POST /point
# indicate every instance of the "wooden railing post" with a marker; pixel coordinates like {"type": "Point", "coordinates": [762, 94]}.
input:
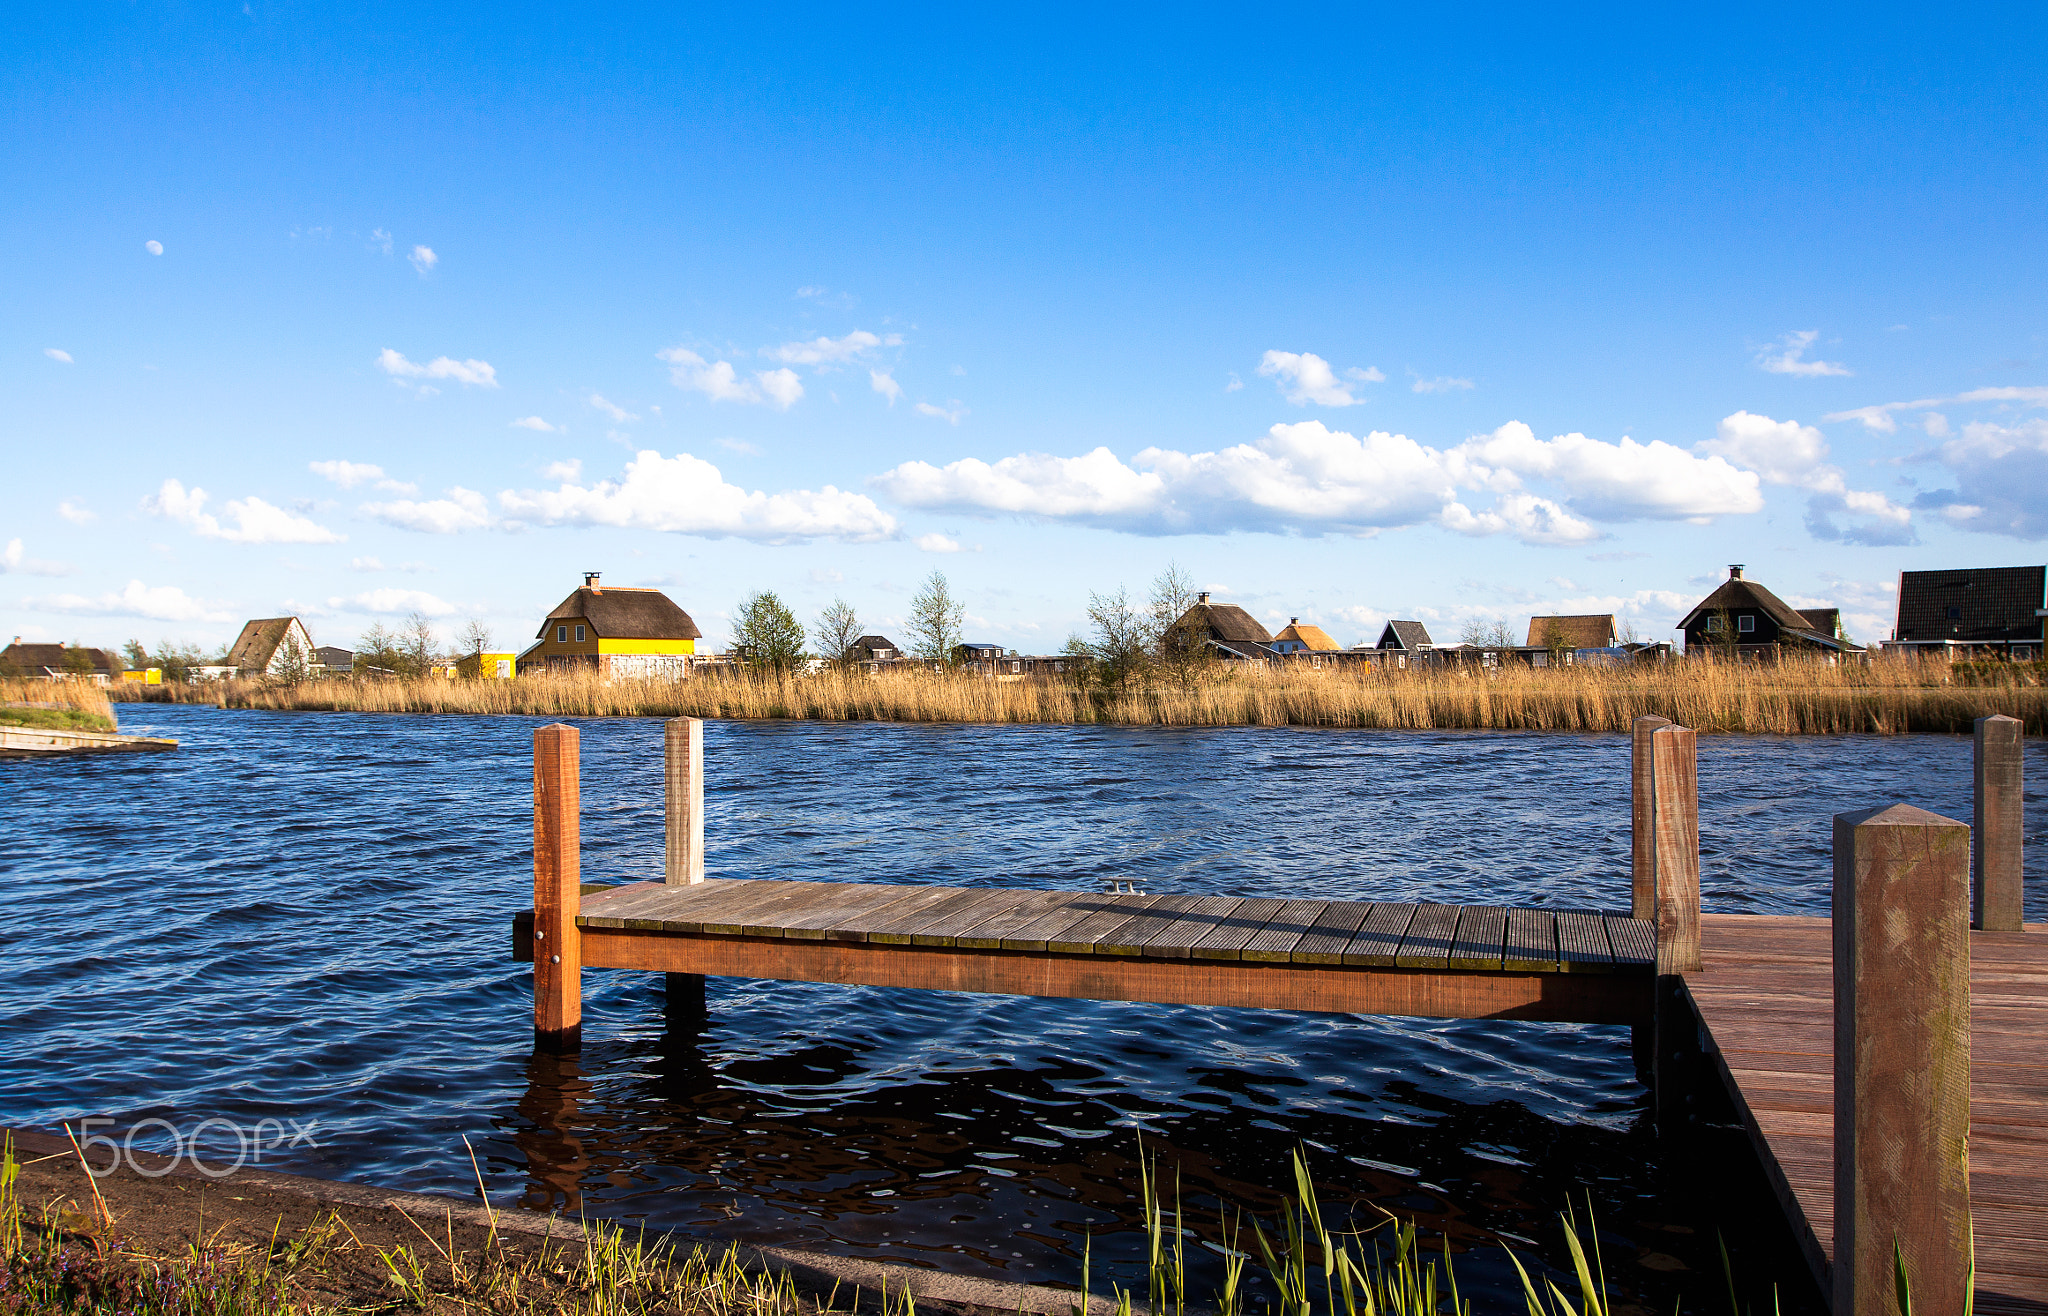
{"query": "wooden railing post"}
{"type": "Point", "coordinates": [1675, 810]}
{"type": "Point", "coordinates": [1995, 843]}
{"type": "Point", "coordinates": [1902, 1060]}
{"type": "Point", "coordinates": [683, 779]}
{"type": "Point", "coordinates": [557, 889]}
{"type": "Point", "coordinates": [1642, 857]}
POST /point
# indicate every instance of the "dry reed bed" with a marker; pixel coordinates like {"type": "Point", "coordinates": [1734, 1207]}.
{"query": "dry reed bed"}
{"type": "Point", "coordinates": [1792, 699]}
{"type": "Point", "coordinates": [79, 696]}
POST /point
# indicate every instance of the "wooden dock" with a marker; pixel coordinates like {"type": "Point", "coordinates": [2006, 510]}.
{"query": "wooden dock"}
{"type": "Point", "coordinates": [1930, 1123]}
{"type": "Point", "coordinates": [1765, 1000]}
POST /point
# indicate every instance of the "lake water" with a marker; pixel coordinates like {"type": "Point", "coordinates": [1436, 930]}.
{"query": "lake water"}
{"type": "Point", "coordinates": [305, 917]}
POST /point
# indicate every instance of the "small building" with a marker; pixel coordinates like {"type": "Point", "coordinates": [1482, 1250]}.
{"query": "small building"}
{"type": "Point", "coordinates": [335, 660]}
{"type": "Point", "coordinates": [976, 653]}
{"type": "Point", "coordinates": [57, 662]}
{"type": "Point", "coordinates": [271, 646]}
{"type": "Point", "coordinates": [1589, 631]}
{"type": "Point", "coordinates": [1228, 630]}
{"type": "Point", "coordinates": [618, 632]}
{"type": "Point", "coordinates": [1742, 618]}
{"type": "Point", "coordinates": [1405, 637]}
{"type": "Point", "coordinates": [1976, 612]}
{"type": "Point", "coordinates": [873, 649]}
{"type": "Point", "coordinates": [1297, 638]}
{"type": "Point", "coordinates": [488, 666]}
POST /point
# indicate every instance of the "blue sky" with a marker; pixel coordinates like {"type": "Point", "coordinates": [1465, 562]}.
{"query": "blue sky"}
{"type": "Point", "coordinates": [1352, 313]}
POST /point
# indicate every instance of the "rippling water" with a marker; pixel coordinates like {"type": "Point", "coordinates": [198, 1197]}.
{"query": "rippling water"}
{"type": "Point", "coordinates": [305, 917]}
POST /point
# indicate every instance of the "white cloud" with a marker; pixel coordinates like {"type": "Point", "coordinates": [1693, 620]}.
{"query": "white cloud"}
{"type": "Point", "coordinates": [1309, 479]}
{"type": "Point", "coordinates": [58, 354]}
{"type": "Point", "coordinates": [381, 240]}
{"type": "Point", "coordinates": [2000, 472]}
{"type": "Point", "coordinates": [718, 380]}
{"type": "Point", "coordinates": [1305, 377]}
{"type": "Point", "coordinates": [1442, 384]}
{"type": "Point", "coordinates": [619, 414]}
{"type": "Point", "coordinates": [256, 521]}
{"type": "Point", "coordinates": [1880, 418]}
{"type": "Point", "coordinates": [15, 562]}
{"type": "Point", "coordinates": [937, 543]}
{"type": "Point", "coordinates": [563, 470]}
{"type": "Point", "coordinates": [424, 260]}
{"type": "Point", "coordinates": [688, 495]}
{"type": "Point", "coordinates": [349, 474]}
{"type": "Point", "coordinates": [472, 371]}
{"type": "Point", "coordinates": [155, 602]}
{"type": "Point", "coordinates": [393, 602]}
{"type": "Point", "coordinates": [1785, 452]}
{"type": "Point", "coordinates": [365, 564]}
{"type": "Point", "coordinates": [1235, 383]}
{"type": "Point", "coordinates": [463, 509]}
{"type": "Point", "coordinates": [76, 512]}
{"type": "Point", "coordinates": [950, 413]}
{"type": "Point", "coordinates": [534, 423]}
{"type": "Point", "coordinates": [153, 247]}
{"type": "Point", "coordinates": [740, 446]}
{"type": "Point", "coordinates": [1790, 358]}
{"type": "Point", "coordinates": [886, 385]}
{"type": "Point", "coordinates": [831, 351]}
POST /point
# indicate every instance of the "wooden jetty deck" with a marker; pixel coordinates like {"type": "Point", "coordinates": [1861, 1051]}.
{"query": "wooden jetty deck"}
{"type": "Point", "coordinates": [1765, 1000]}
{"type": "Point", "coordinates": [1931, 1122]}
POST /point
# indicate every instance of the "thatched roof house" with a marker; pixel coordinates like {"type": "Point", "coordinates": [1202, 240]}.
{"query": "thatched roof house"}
{"type": "Point", "coordinates": [1297, 638]}
{"type": "Point", "coordinates": [269, 644]}
{"type": "Point", "coordinates": [1745, 614]}
{"type": "Point", "coordinates": [1588, 631]}
{"type": "Point", "coordinates": [57, 662]}
{"type": "Point", "coordinates": [873, 649]}
{"type": "Point", "coordinates": [621, 632]}
{"type": "Point", "coordinates": [1228, 629]}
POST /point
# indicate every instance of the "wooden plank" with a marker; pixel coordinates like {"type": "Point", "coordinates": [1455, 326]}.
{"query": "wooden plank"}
{"type": "Point", "coordinates": [1531, 941]}
{"type": "Point", "coordinates": [1177, 939]}
{"type": "Point", "coordinates": [1250, 984]}
{"type": "Point", "coordinates": [1329, 933]}
{"type": "Point", "coordinates": [557, 888]}
{"type": "Point", "coordinates": [1675, 802]}
{"type": "Point", "coordinates": [1481, 935]}
{"type": "Point", "coordinates": [1427, 944]}
{"type": "Point", "coordinates": [1129, 938]}
{"type": "Point", "coordinates": [862, 924]}
{"type": "Point", "coordinates": [1276, 941]}
{"type": "Point", "coordinates": [1379, 937]}
{"type": "Point", "coordinates": [1642, 820]}
{"type": "Point", "coordinates": [1633, 940]}
{"type": "Point", "coordinates": [683, 801]}
{"type": "Point", "coordinates": [810, 923]}
{"type": "Point", "coordinates": [958, 919]}
{"type": "Point", "coordinates": [899, 931]}
{"type": "Point", "coordinates": [1112, 915]}
{"type": "Point", "coordinates": [989, 933]}
{"type": "Point", "coordinates": [721, 913]}
{"type": "Point", "coordinates": [1233, 930]}
{"type": "Point", "coordinates": [1038, 934]}
{"type": "Point", "coordinates": [1582, 941]}
{"type": "Point", "coordinates": [1997, 818]}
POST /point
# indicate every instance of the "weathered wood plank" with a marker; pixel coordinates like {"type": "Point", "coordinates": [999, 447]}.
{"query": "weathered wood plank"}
{"type": "Point", "coordinates": [1642, 818]}
{"type": "Point", "coordinates": [557, 888]}
{"type": "Point", "coordinates": [1998, 818]}
{"type": "Point", "coordinates": [1130, 937]}
{"type": "Point", "coordinates": [901, 930]}
{"type": "Point", "coordinates": [1582, 941]}
{"type": "Point", "coordinates": [959, 919]}
{"type": "Point", "coordinates": [1112, 914]}
{"type": "Point", "coordinates": [812, 922]}
{"type": "Point", "coordinates": [989, 934]}
{"type": "Point", "coordinates": [1177, 939]}
{"type": "Point", "coordinates": [1427, 944]}
{"type": "Point", "coordinates": [1276, 941]}
{"type": "Point", "coordinates": [1632, 940]}
{"type": "Point", "coordinates": [1675, 804]}
{"type": "Point", "coordinates": [1039, 932]}
{"type": "Point", "coordinates": [1378, 942]}
{"type": "Point", "coordinates": [1480, 938]}
{"type": "Point", "coordinates": [683, 801]}
{"type": "Point", "coordinates": [1330, 932]}
{"type": "Point", "coordinates": [1227, 940]}
{"type": "Point", "coordinates": [1531, 941]}
{"type": "Point", "coordinates": [863, 924]}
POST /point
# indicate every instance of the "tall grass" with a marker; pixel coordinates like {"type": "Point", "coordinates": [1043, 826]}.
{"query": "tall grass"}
{"type": "Point", "coordinates": [78, 704]}
{"type": "Point", "coordinates": [1792, 698]}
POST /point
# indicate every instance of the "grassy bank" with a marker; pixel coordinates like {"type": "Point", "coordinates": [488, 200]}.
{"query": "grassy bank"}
{"type": "Point", "coordinates": [1793, 699]}
{"type": "Point", "coordinates": [57, 706]}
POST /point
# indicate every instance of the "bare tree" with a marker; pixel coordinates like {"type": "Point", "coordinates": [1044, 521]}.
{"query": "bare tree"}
{"type": "Point", "coordinates": [935, 619]}
{"type": "Point", "coordinates": [1176, 639]}
{"type": "Point", "coordinates": [413, 646]}
{"type": "Point", "coordinates": [474, 637]}
{"type": "Point", "coordinates": [293, 665]}
{"type": "Point", "coordinates": [1476, 634]}
{"type": "Point", "coordinates": [1123, 642]}
{"type": "Point", "coordinates": [837, 627]}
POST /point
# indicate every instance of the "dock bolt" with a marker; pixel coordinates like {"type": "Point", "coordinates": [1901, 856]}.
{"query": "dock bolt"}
{"type": "Point", "coordinates": [539, 935]}
{"type": "Point", "coordinates": [554, 959]}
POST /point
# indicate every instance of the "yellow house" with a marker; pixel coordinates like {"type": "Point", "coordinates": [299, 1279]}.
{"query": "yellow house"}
{"type": "Point", "coordinates": [489, 666]}
{"type": "Point", "coordinates": [620, 632]}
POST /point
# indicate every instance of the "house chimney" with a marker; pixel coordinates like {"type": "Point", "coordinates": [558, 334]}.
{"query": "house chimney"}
{"type": "Point", "coordinates": [1735, 571]}
{"type": "Point", "coordinates": [1203, 597]}
{"type": "Point", "coordinates": [1294, 621]}
{"type": "Point", "coordinates": [590, 582]}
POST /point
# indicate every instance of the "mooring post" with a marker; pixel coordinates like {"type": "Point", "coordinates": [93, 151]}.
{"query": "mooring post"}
{"type": "Point", "coordinates": [557, 890]}
{"type": "Point", "coordinates": [1902, 1061]}
{"type": "Point", "coordinates": [683, 793]}
{"type": "Point", "coordinates": [1674, 860]}
{"type": "Point", "coordinates": [1995, 840]}
{"type": "Point", "coordinates": [1642, 858]}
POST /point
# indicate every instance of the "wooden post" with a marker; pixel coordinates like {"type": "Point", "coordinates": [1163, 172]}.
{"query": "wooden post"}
{"type": "Point", "coordinates": [1902, 1060]}
{"type": "Point", "coordinates": [683, 777]}
{"type": "Point", "coordinates": [683, 793]}
{"type": "Point", "coordinates": [1642, 860]}
{"type": "Point", "coordinates": [1995, 845]}
{"type": "Point", "coordinates": [557, 890]}
{"type": "Point", "coordinates": [1675, 809]}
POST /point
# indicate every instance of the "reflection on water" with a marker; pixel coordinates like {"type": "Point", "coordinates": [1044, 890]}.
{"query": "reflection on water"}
{"type": "Point", "coordinates": [303, 915]}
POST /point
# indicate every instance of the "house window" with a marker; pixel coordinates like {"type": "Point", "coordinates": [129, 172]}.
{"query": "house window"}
{"type": "Point", "coordinates": [579, 635]}
{"type": "Point", "coordinates": [1714, 626]}
{"type": "Point", "coordinates": [1955, 614]}
{"type": "Point", "coordinates": [561, 635]}
{"type": "Point", "coordinates": [1745, 624]}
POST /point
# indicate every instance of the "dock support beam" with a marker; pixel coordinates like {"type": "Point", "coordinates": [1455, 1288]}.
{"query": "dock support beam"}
{"type": "Point", "coordinates": [1642, 826]}
{"type": "Point", "coordinates": [683, 797]}
{"type": "Point", "coordinates": [1995, 843]}
{"type": "Point", "coordinates": [1672, 849]}
{"type": "Point", "coordinates": [557, 889]}
{"type": "Point", "coordinates": [1902, 1061]}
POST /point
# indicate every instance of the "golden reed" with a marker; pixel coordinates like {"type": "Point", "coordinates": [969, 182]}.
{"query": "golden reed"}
{"type": "Point", "coordinates": [1793, 698]}
{"type": "Point", "coordinates": [83, 696]}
